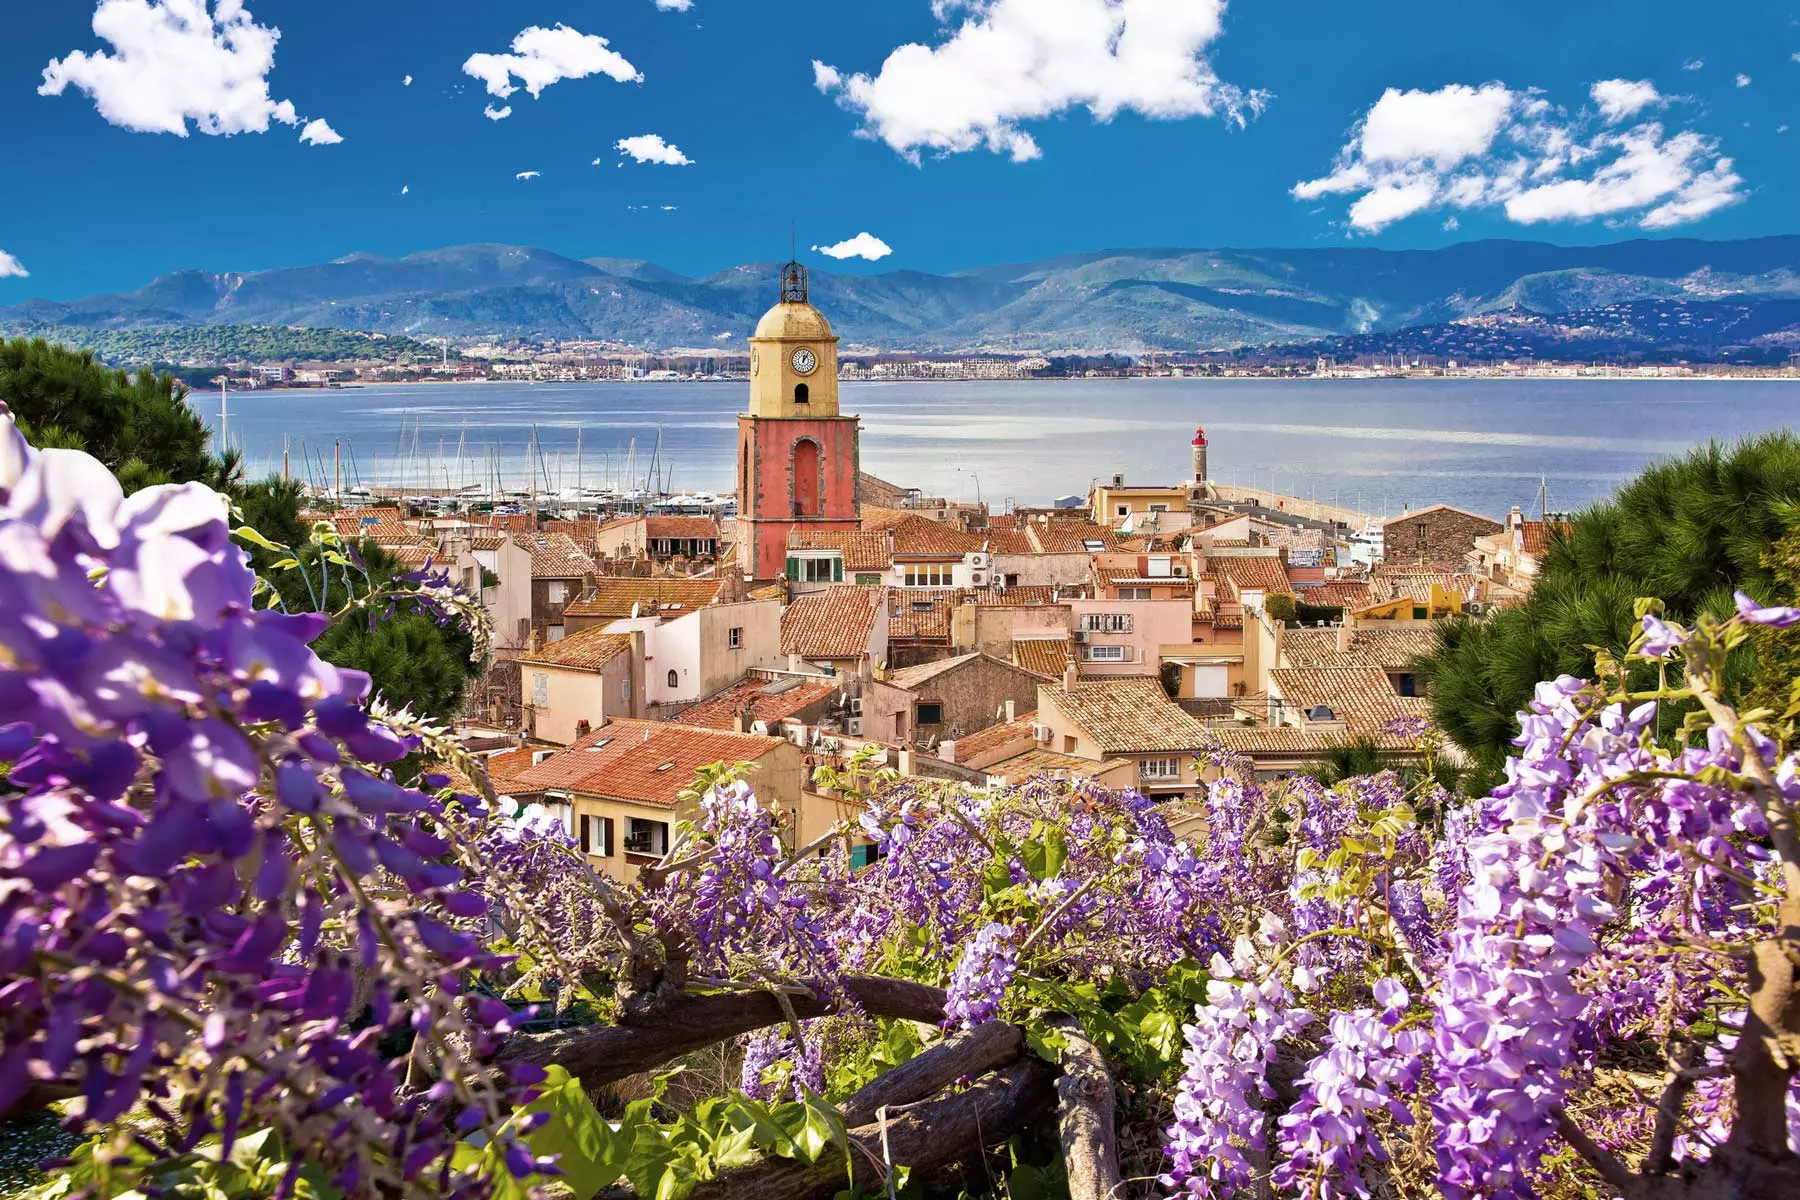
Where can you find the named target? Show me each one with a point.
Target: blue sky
(1396, 123)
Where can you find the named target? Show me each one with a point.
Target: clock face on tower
(805, 361)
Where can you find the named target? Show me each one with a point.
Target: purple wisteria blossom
(982, 976)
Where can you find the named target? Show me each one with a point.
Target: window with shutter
(606, 837)
(587, 832)
(837, 570)
(793, 568)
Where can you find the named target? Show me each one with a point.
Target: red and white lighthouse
(1199, 444)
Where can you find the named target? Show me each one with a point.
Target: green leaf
(1056, 852)
(590, 1154)
(256, 539)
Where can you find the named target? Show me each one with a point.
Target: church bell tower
(798, 458)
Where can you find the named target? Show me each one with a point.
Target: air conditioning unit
(856, 706)
(855, 726)
(1079, 637)
(760, 728)
(1040, 733)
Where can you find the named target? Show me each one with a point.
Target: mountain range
(1113, 300)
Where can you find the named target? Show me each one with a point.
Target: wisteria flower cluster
(215, 899)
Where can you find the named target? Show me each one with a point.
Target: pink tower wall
(766, 500)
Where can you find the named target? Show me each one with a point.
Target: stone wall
(1435, 536)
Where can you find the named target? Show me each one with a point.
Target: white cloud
(406, 189)
(1743, 80)
(11, 268)
(1693, 64)
(1451, 224)
(1781, 129)
(1493, 147)
(1795, 56)
(863, 245)
(407, 82)
(528, 175)
(318, 133)
(650, 148)
(1010, 62)
(674, 5)
(174, 61)
(497, 114)
(541, 57)
(1618, 99)
(669, 207)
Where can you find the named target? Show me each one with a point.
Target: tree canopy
(1688, 531)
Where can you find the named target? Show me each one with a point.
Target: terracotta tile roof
(1048, 657)
(589, 650)
(1262, 571)
(1008, 541)
(914, 677)
(921, 614)
(1069, 537)
(486, 539)
(835, 623)
(695, 528)
(1416, 513)
(1024, 595)
(1130, 577)
(413, 556)
(1034, 763)
(1225, 620)
(614, 597)
(1288, 740)
(1341, 594)
(505, 768)
(918, 537)
(863, 550)
(512, 522)
(874, 518)
(649, 762)
(769, 591)
(1393, 648)
(769, 700)
(1362, 697)
(1535, 536)
(1127, 715)
(994, 736)
(554, 555)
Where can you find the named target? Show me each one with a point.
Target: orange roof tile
(1416, 513)
(1048, 657)
(1262, 572)
(505, 767)
(616, 597)
(1008, 541)
(1339, 594)
(1127, 715)
(648, 762)
(1393, 647)
(919, 537)
(589, 650)
(1292, 741)
(1361, 697)
(994, 736)
(677, 528)
(1037, 762)
(833, 624)
(863, 550)
(1069, 537)
(1535, 536)
(554, 555)
(767, 700)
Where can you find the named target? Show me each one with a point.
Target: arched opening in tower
(801, 395)
(807, 481)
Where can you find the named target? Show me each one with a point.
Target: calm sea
(1377, 446)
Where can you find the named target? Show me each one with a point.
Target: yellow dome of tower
(793, 356)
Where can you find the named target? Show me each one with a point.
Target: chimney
(906, 762)
(1343, 636)
(1071, 677)
(1011, 712)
